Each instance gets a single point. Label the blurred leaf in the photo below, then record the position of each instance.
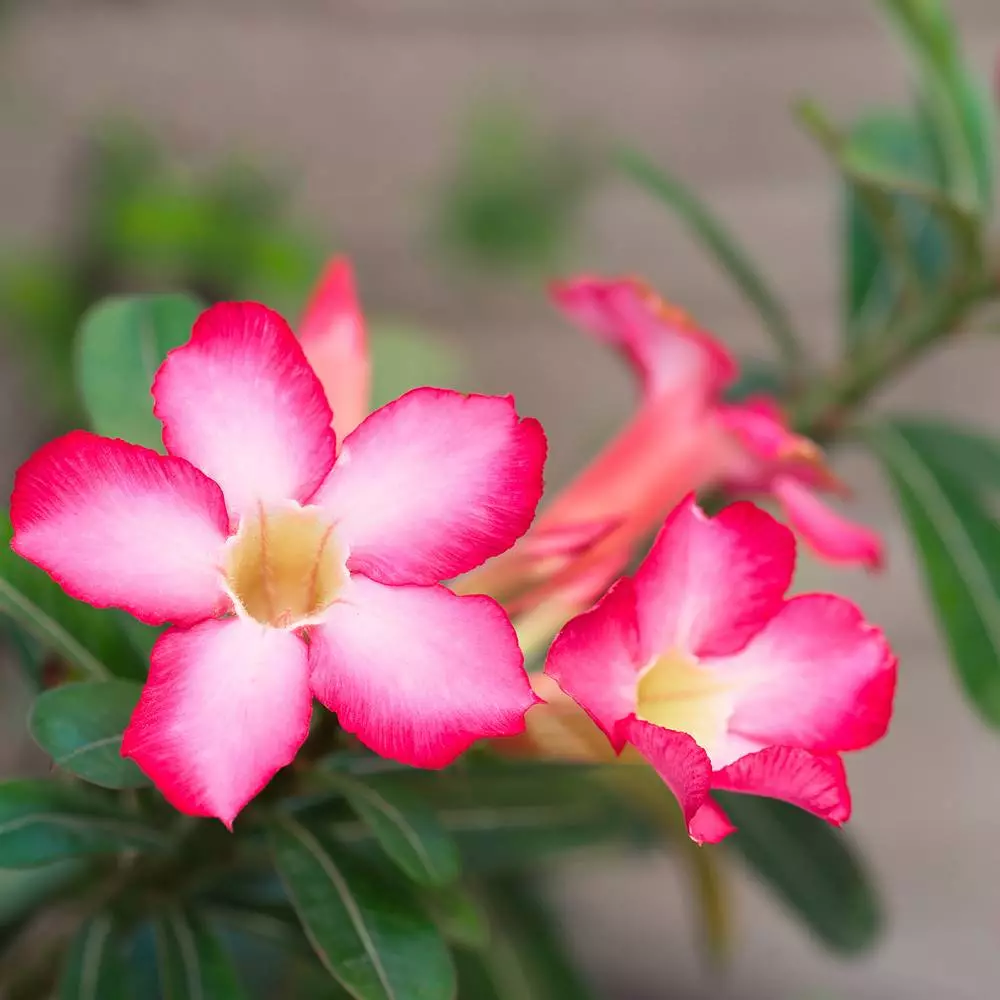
(732, 258)
(960, 453)
(371, 939)
(121, 344)
(43, 821)
(404, 358)
(958, 542)
(514, 194)
(756, 378)
(192, 964)
(526, 959)
(960, 111)
(874, 283)
(405, 827)
(21, 890)
(80, 726)
(459, 915)
(89, 639)
(811, 867)
(95, 967)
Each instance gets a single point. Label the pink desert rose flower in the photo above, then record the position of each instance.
(682, 438)
(703, 665)
(288, 573)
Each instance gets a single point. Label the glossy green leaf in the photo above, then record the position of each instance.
(44, 821)
(958, 543)
(405, 827)
(404, 358)
(191, 963)
(120, 345)
(375, 942)
(734, 260)
(80, 726)
(810, 866)
(89, 641)
(95, 968)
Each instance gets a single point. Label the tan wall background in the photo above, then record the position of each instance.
(359, 101)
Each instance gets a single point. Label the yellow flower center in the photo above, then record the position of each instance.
(284, 566)
(677, 693)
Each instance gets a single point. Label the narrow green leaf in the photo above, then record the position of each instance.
(43, 821)
(459, 915)
(371, 939)
(961, 116)
(721, 244)
(811, 867)
(192, 964)
(970, 457)
(95, 967)
(120, 344)
(405, 827)
(91, 641)
(80, 726)
(958, 542)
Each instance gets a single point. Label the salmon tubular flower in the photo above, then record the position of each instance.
(290, 572)
(703, 665)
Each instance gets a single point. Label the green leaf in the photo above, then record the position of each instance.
(95, 968)
(90, 640)
(958, 542)
(371, 939)
(120, 345)
(458, 914)
(405, 827)
(192, 964)
(721, 244)
(80, 726)
(404, 358)
(960, 113)
(757, 378)
(968, 456)
(874, 281)
(811, 867)
(43, 821)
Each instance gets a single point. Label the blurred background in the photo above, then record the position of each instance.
(458, 151)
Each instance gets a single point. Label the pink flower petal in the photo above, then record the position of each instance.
(431, 485)
(240, 401)
(817, 676)
(709, 584)
(710, 824)
(678, 760)
(595, 660)
(332, 333)
(226, 705)
(417, 673)
(817, 784)
(830, 535)
(119, 525)
(661, 342)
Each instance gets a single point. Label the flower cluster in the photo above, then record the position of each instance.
(297, 546)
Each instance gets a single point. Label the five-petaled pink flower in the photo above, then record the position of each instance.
(703, 665)
(286, 573)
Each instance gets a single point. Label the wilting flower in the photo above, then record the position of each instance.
(703, 665)
(288, 574)
(683, 437)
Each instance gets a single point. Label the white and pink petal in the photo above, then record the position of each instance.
(433, 484)
(120, 525)
(240, 402)
(417, 673)
(227, 704)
